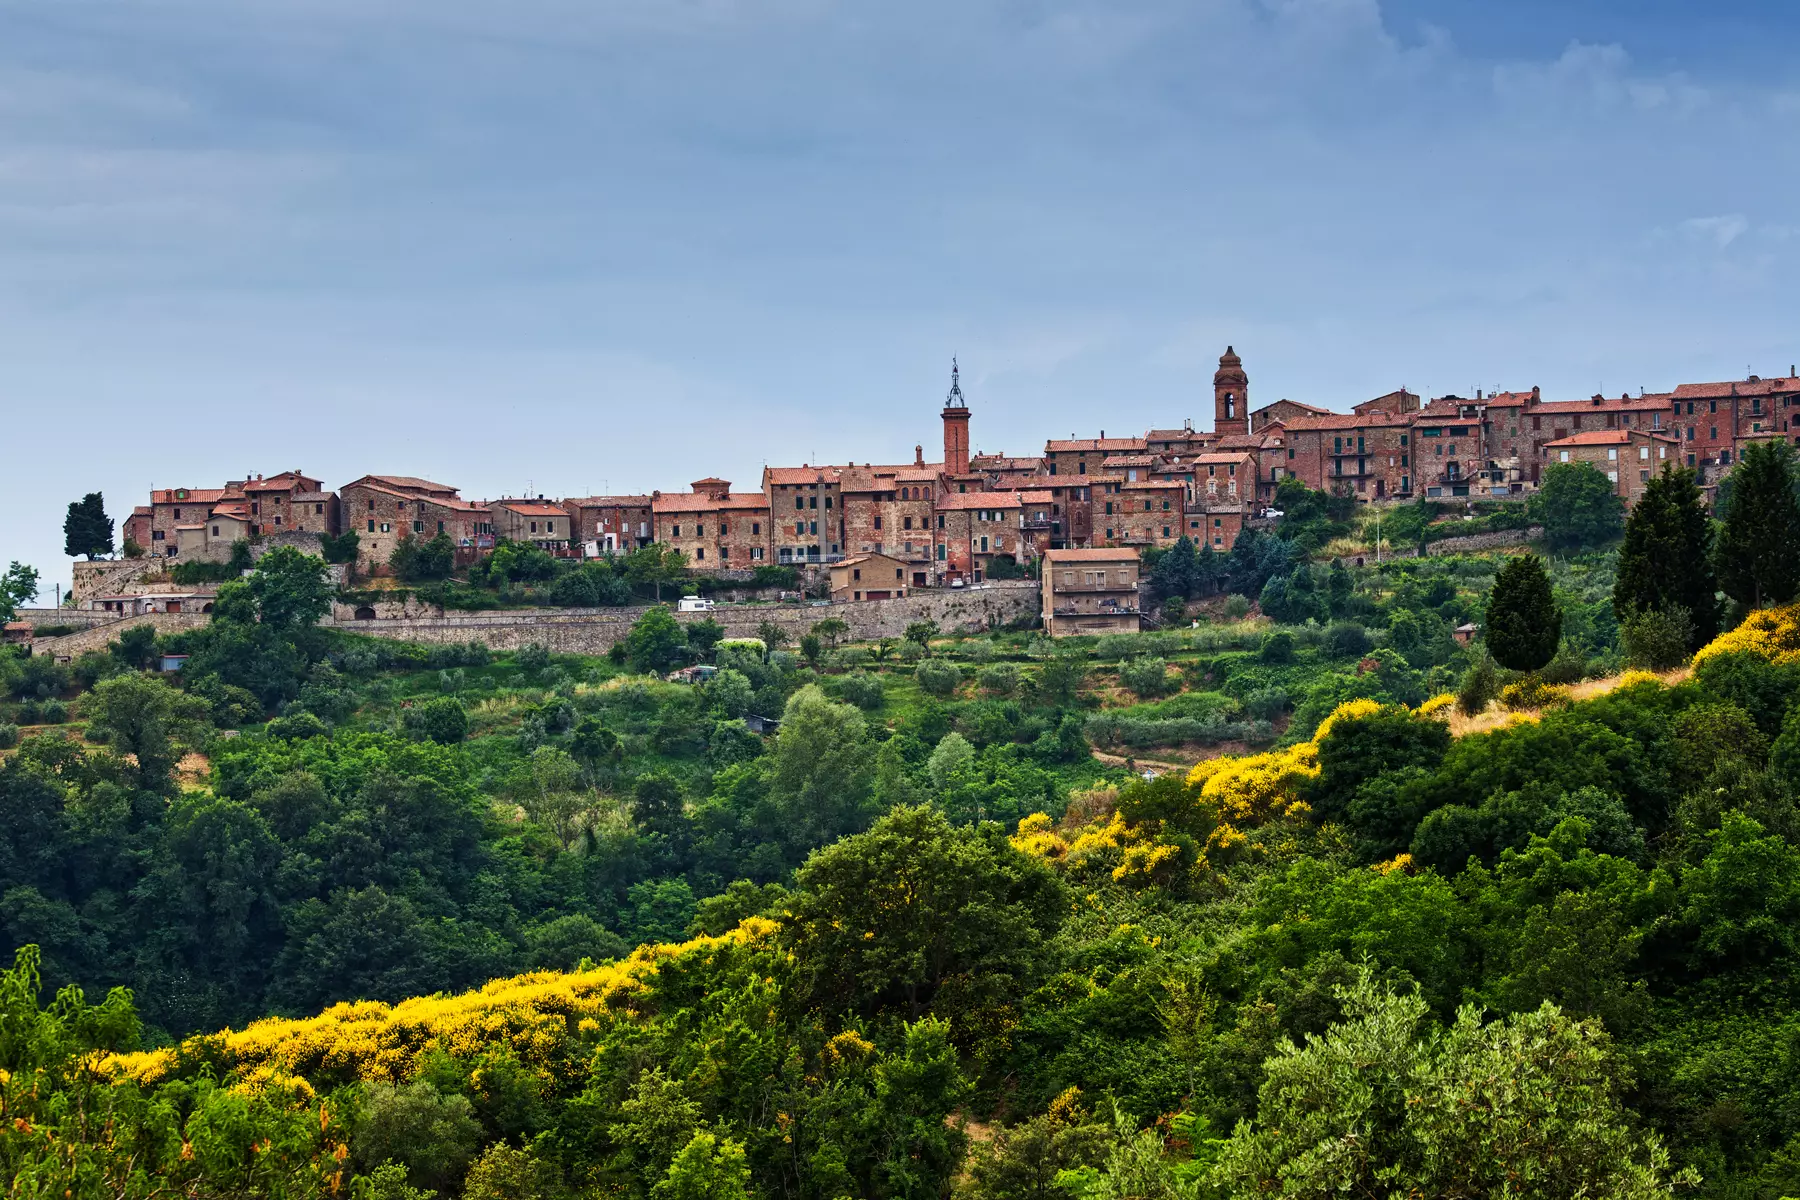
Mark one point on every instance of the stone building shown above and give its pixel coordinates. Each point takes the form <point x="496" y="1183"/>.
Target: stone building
<point x="291" y="502"/>
<point x="171" y="508"/>
<point x="543" y="523"/>
<point x="1283" y="411"/>
<point x="1091" y="591"/>
<point x="382" y="509"/>
<point x="1231" y="396"/>
<point x="973" y="528"/>
<point x="602" y="525"/>
<point x="888" y="510"/>
<point x="1714" y="420"/>
<point x="804" y="514"/>
<point x="870" y="577"/>
<point x="1631" y="458"/>
<point x="1145" y="512"/>
<point x="136" y="527"/>
<point x="717" y="528"/>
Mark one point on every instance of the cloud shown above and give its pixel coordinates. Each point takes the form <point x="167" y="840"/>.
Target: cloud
<point x="1720" y="231"/>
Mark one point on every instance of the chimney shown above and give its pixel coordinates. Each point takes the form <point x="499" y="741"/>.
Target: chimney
<point x="919" y="455"/>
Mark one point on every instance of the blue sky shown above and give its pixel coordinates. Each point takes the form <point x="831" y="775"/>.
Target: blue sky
<point x="568" y="245"/>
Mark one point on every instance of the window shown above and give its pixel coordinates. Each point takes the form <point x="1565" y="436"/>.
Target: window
<point x="418" y="527"/>
<point x="1165" y="531"/>
<point x="1613" y="475"/>
<point x="878" y="522"/>
<point x="856" y="572"/>
<point x="1612" y="454"/>
<point x="215" y="531"/>
<point x="940" y="552"/>
<point x="799" y="528"/>
<point x="814" y="502"/>
<point x="813" y="527"/>
<point x="386" y="528"/>
<point x="799" y="502"/>
<point x="371" y="525"/>
<point x="907" y="522"/>
<point x="675" y="531"/>
<point x="755" y="528"/>
<point x="940" y="524"/>
<point x="1562" y="456"/>
<point x="984" y="544"/>
<point x="700" y="554"/>
<point x="828" y="504"/>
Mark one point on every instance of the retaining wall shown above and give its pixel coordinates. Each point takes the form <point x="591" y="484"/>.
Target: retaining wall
<point x="71" y="645"/>
<point x="1477" y="542"/>
<point x="594" y="631"/>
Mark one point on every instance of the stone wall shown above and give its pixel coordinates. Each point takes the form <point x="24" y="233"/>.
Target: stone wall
<point x="594" y="631"/>
<point x="109" y="576"/>
<point x="1477" y="542"/>
<point x="73" y="645"/>
<point x="84" y="617"/>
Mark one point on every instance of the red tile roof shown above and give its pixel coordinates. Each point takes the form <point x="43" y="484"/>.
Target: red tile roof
<point x="1374" y="419"/>
<point x="194" y="496"/>
<point x="609" y="501"/>
<point x="789" y="476"/>
<point x="530" y="508"/>
<point x="1607" y="437"/>
<point x="1075" y="445"/>
<point x="690" y="502"/>
<point x="407" y="483"/>
<point x="1121" y="554"/>
<point x="1744" y="387"/>
<point x="955" y="501"/>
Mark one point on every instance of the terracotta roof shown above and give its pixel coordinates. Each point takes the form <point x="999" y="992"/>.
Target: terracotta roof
<point x="1129" y="460"/>
<point x="194" y="496"/>
<point x="1000" y="462"/>
<point x="969" y="500"/>
<point x="1607" y="437"/>
<point x="1173" y="435"/>
<point x="1620" y="404"/>
<point x="410" y="483"/>
<point x="1744" y="387"/>
<point x="1222" y="457"/>
<point x="1300" y="404"/>
<point x="1093" y="445"/>
<point x="792" y="475"/>
<point x="1121" y="554"/>
<point x="1042" y="496"/>
<point x="688" y="502"/>
<point x="609" y="501"/>
<point x="287" y="481"/>
<point x="1251" y="441"/>
<point x="925" y="474"/>
<point x="1507" y="399"/>
<point x="861" y="558"/>
<point x="1378" y="418"/>
<point x="530" y="508"/>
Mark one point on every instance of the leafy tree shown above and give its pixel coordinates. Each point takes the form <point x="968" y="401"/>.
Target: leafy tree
<point x="434" y="1136"/>
<point x="87" y="530"/>
<point x="943" y="903"/>
<point x="17" y="586"/>
<point x="145" y="717"/>
<point x="1578" y="506"/>
<point x="774" y="637"/>
<point x="417" y="561"/>
<point x="1147" y="675"/>
<point x="703" y="635"/>
<point x="832" y="629"/>
<point x="1347" y="639"/>
<point x="1758" y="553"/>
<point x="441" y="719"/>
<point x="1665" y="562"/>
<point x="1480" y="687"/>
<point x="131" y="549"/>
<point x="921" y="632"/>
<point x="707" y="1168"/>
<point x="591" y="585"/>
<point x="655" y="565"/>
<point x="340" y="548"/>
<point x="820" y="780"/>
<point x="656" y="642"/>
<point x="1524" y="625"/>
<point x="937" y="677"/>
<point x="1657" y="638"/>
<point x="1177" y="570"/>
<point x="1526" y="1106"/>
<point x="291" y="589"/>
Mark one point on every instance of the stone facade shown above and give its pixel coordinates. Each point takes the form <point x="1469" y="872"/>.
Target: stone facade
<point x="611" y="524"/>
<point x="714" y="526"/>
<point x="539" y="522"/>
<point x="1090" y="592"/>
<point x="382" y="509"/>
<point x="1630" y="458"/>
<point x="805" y="516"/>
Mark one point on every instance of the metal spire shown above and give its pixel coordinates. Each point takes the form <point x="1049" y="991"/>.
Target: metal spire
<point x="955" y="398"/>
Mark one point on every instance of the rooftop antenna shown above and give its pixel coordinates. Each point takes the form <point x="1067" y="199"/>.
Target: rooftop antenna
<point x="955" y="398"/>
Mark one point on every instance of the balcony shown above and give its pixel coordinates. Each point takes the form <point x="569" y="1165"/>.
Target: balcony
<point x="1095" y="612"/>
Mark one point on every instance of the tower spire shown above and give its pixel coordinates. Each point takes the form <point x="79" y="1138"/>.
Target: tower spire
<point x="955" y="398"/>
<point x="956" y="426"/>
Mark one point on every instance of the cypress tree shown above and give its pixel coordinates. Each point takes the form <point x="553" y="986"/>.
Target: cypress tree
<point x="1524" y="626"/>
<point x="87" y="529"/>
<point x="1666" y="559"/>
<point x="1758" y="555"/>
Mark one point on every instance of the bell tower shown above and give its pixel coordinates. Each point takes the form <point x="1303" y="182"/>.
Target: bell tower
<point x="956" y="427"/>
<point x="1231" y="395"/>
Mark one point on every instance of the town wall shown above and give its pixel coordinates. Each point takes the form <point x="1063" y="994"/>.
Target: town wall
<point x="109" y="576"/>
<point x="73" y="645"/>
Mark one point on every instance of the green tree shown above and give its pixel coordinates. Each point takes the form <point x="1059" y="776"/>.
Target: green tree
<point x="340" y="548"/>
<point x="655" y="565"/>
<point x="291" y="589"/>
<point x="417" y="561"/>
<point x="656" y="642"/>
<point x="18" y="585"/>
<point x="508" y="1173"/>
<point x="434" y="1136"/>
<point x="87" y="530"/>
<point x="832" y="629"/>
<point x="146" y="718"/>
<point x="1524" y="625"/>
<point x="1577" y="506"/>
<point x="921" y="632"/>
<point x="1666" y="561"/>
<point x="821" y="778"/>
<point x="703" y="635"/>
<point x="441" y="719"/>
<point x="887" y="918"/>
<point x="1379" y="1105"/>
<point x="1758" y="554"/>
<point x="707" y="1168"/>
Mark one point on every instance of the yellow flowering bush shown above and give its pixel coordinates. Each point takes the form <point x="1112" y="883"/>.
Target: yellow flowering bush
<point x="1439" y="705"/>
<point x="1771" y="633"/>
<point x="1037" y="837"/>
<point x="1531" y="693"/>
<point x="367" y="1039"/>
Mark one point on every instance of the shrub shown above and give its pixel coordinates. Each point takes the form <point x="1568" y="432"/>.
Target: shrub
<point x="1002" y="679"/>
<point x="1265" y="704"/>
<point x="859" y="688"/>
<point x="442" y="720"/>
<point x="1147" y="675"/>
<point x="1278" y="647"/>
<point x="1346" y="639"/>
<point x="1531" y="692"/>
<point x="1236" y="607"/>
<point x="1658" y="638"/>
<point x="296" y="727"/>
<point x="9" y="736"/>
<point x="532" y="658"/>
<point x="936" y="677"/>
<point x="1480" y="685"/>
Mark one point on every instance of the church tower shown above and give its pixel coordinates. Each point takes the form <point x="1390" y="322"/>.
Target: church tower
<point x="956" y="427"/>
<point x="1231" y="395"/>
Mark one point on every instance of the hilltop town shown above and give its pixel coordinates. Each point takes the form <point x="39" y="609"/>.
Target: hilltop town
<point x="954" y="518"/>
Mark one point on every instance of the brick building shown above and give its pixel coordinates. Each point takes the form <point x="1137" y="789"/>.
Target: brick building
<point x="870" y="577"/>
<point x="603" y="525"/>
<point x="1713" y="420"/>
<point x="973" y="528"/>
<point x="290" y="502"/>
<point x="171" y="508"/>
<point x="1083" y="456"/>
<point x="1631" y="458"/>
<point x="714" y="526"/>
<point x="1147" y="512"/>
<point x="382" y="509"/>
<point x="804" y="513"/>
<point x="1091" y="591"/>
<point x="136" y="527"/>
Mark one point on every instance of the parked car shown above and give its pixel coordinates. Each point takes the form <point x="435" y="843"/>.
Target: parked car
<point x="695" y="604"/>
<point x="1272" y="514"/>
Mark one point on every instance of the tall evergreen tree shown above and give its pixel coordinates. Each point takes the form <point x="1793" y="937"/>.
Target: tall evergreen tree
<point x="1666" y="560"/>
<point x="1758" y="556"/>
<point x="1524" y="626"/>
<point x="87" y="529"/>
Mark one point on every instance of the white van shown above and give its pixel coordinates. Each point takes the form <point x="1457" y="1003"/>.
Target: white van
<point x="695" y="604"/>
